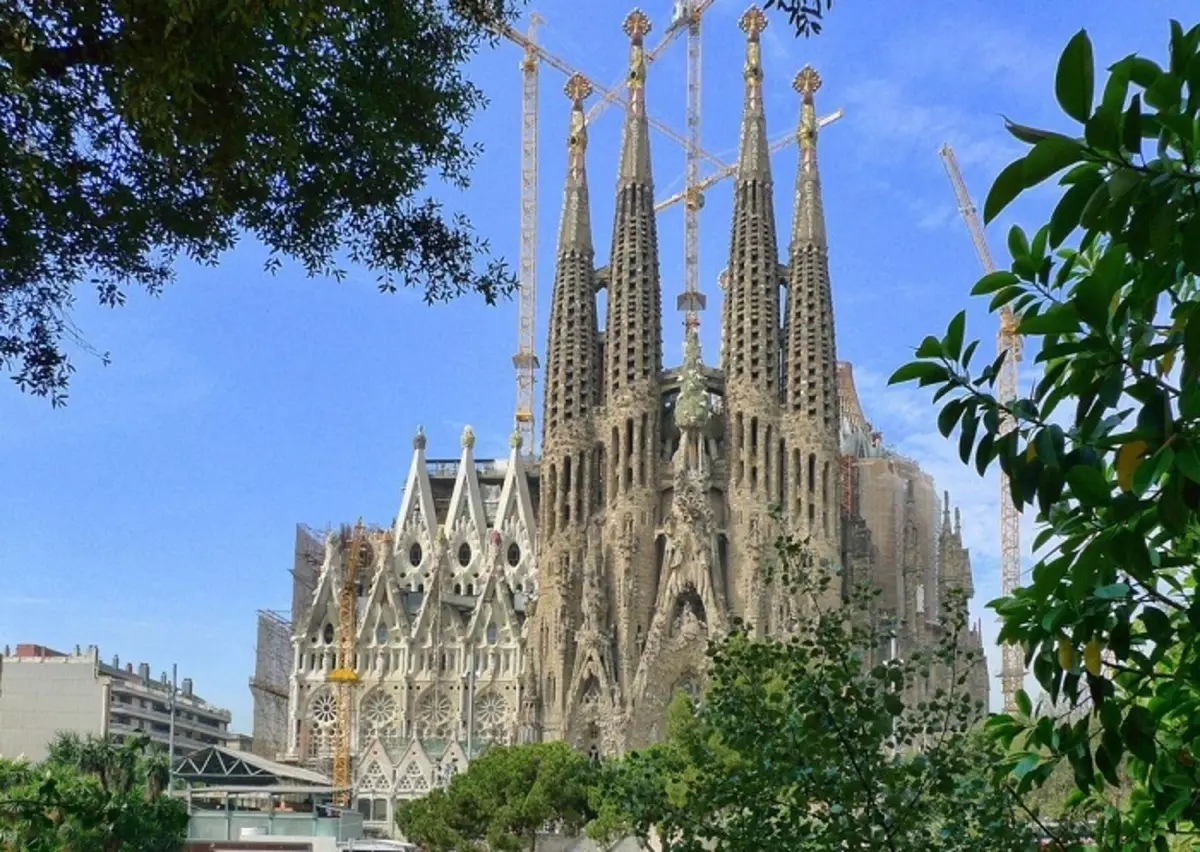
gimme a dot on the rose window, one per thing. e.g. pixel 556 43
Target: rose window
pixel 379 719
pixel 324 710
pixel 491 713
pixel 436 716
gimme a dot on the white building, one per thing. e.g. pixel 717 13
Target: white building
pixel 43 692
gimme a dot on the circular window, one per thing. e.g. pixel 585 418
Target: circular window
pixel 514 554
pixel 414 555
pixel 464 554
pixel 327 634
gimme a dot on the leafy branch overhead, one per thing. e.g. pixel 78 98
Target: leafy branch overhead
pixel 137 133
pixel 1106 447
pixel 805 16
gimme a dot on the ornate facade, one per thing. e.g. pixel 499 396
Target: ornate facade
pixel 571 596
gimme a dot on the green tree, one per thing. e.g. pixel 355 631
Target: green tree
pixel 819 741
pixel 503 799
pixel 138 132
pixel 90 795
pixel 1105 448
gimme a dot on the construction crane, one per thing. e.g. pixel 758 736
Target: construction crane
pixel 775 147
pixel 1008 343
pixel 525 360
pixel 344 676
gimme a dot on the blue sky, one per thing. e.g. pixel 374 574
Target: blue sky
pixel 155 513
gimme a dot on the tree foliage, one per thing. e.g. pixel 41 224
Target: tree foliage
pixel 134 133
pixel 503 799
pixel 806 16
pixel 90 795
pixel 821 741
pixel 1106 446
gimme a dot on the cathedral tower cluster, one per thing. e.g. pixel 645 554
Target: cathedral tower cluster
pixel 662 493
pixel 570 597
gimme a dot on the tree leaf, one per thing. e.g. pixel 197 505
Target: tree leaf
pixel 1074 84
pixel 1089 486
pixel 1008 185
pixel 993 281
pixel 954 335
pixel 1131 127
pixel 1129 458
pixel 1191 244
pixel 1069 209
pixel 1113 592
pixel 1050 156
pixel 918 371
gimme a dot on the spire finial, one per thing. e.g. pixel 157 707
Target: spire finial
pixel 578 88
pixel 753 22
pixel 807 82
pixel 419 439
pixel 637 25
pixel 468 438
pixel 515 439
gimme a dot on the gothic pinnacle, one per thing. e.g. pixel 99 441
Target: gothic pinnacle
pixel 753 158
pixel 635 146
pixel 808 221
pixel 576 229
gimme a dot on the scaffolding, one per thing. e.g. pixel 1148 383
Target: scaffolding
pixel 269 685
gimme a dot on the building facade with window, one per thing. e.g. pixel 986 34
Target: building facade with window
pixel 44 691
pixel 571 595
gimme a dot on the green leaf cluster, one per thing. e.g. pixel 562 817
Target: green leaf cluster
pixel 1105 448
pixel 90 795
pixel 502 800
pixel 819 740
pixel 134 133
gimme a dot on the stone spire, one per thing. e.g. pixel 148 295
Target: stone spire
pixel 635 145
pixel 632 370
pixel 811 401
pixel 634 335
pixel 750 354
pixel 572 368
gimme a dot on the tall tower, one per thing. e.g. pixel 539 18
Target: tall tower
pixel 811 418
pixel 569 455
pixel 750 356
pixel 632 368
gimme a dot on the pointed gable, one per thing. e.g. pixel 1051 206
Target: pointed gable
pixel 376 773
pixel 517 524
pixel 465 518
pixel 384 609
pixel 324 602
pixel 414 771
pixel 417 513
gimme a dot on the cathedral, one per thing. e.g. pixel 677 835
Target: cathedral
pixel 569 596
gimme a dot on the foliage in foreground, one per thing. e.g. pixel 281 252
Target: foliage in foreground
pixel 1105 294
pixel 90 795
pixel 819 742
pixel 503 799
pixel 135 133
pixel 805 16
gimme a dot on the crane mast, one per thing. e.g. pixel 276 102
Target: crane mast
pixel 344 676
pixel 691 301
pixel 525 360
pixel 1008 343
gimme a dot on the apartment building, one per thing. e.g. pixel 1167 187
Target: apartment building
pixel 44 691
